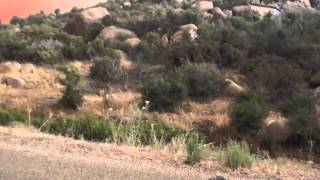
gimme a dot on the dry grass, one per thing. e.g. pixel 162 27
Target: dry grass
pixel 28 154
pixel 45 90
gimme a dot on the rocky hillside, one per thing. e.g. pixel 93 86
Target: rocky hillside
pixel 219 70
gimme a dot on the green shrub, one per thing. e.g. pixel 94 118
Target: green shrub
pixel 106 69
pixel 93 129
pixel 165 93
pixel 62 125
pixel 49 55
pixel 8 116
pixel 72 97
pixel 203 80
pixel 303 120
pixel 144 132
pixel 230 55
pixel 195 149
pixel 97 48
pixel 249 112
pixel 275 76
pixel 149 50
pixel 38 122
pixel 13 46
pixel 42 44
pixel 236 155
pixel 5 118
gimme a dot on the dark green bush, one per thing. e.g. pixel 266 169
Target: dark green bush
pixel 149 50
pixel 230 55
pixel 273 75
pixel 249 112
pixel 303 120
pixel 72 97
pixel 203 80
pixel 42 44
pixel 183 52
pixel 165 93
pixel 93 129
pixel 106 69
pixel 13 46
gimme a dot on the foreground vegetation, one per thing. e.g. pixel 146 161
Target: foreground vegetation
pixel 137 132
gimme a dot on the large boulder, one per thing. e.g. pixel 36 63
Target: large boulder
pixel 315 80
pixel 219 13
pixel 125 63
pixel 228 12
pixel 203 6
pixel 277 128
pixel 88 22
pixel 149 70
pixel 178 12
pixel 299 3
pixel 264 10
pixel 114 34
pixel 92 15
pixel 189 29
pixel 317 105
pixel 127 4
pixel 239 9
pixel 165 40
pixel 316 92
pixel 28 68
pixel 179 1
pixel 9 66
pixel 233 89
pixel 132 42
pixel 14 82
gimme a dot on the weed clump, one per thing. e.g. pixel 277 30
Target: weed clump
pixel 236 155
pixel 195 149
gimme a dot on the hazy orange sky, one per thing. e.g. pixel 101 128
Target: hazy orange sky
pixel 23 8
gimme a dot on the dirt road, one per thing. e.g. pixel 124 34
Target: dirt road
pixel 28 154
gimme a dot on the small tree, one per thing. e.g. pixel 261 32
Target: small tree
pixel 72 97
pixel 165 93
pixel 203 80
pixel 249 112
pixel 106 69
